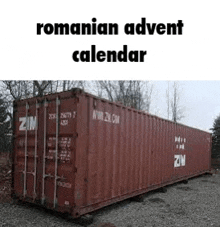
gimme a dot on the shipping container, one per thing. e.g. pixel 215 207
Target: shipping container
pixel 76 153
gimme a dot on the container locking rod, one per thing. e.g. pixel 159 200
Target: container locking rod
pixel 56 153
pixel 44 154
pixel 25 152
pixel 35 151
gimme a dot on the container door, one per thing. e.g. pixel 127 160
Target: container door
pixel 45 159
pixel 58 154
pixel 25 151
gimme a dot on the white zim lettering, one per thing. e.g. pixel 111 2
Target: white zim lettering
pixel 23 123
pixel 176 161
pixel 180 139
pixel 66 115
pixel 179 160
pixel 32 123
pixel 105 116
pixel 52 116
pixel 64 184
pixel 28 123
pixel 74 114
pixel 115 119
pixel 98 115
pixel 180 146
pixel 67 203
pixel 180 142
pixel 64 122
pixel 183 160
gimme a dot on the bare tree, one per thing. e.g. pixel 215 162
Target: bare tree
pixel 26 89
pixel 177 110
pixel 147 95
pixel 69 84
pixel 168 100
pixel 41 86
pixel 5 144
pixel 16 90
pixel 136 94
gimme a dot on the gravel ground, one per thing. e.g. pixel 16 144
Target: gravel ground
pixel 194 204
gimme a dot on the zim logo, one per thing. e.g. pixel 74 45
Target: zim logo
pixel 179 160
pixel 29 123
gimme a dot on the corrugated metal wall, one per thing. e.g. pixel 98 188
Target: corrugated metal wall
pixel 134 152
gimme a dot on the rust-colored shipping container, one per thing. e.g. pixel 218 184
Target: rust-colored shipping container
pixel 75 152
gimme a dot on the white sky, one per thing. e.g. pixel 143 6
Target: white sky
pixel 191 56
pixel 199 100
